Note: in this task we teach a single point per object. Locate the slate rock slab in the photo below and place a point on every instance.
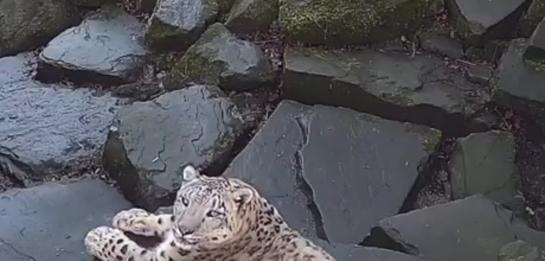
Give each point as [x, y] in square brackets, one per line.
[476, 21]
[219, 58]
[474, 228]
[333, 172]
[176, 24]
[520, 251]
[527, 98]
[535, 52]
[342, 22]
[27, 24]
[484, 163]
[347, 252]
[248, 16]
[392, 85]
[151, 142]
[44, 128]
[533, 16]
[107, 47]
[49, 222]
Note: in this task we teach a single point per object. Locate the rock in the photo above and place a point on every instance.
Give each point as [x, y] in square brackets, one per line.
[441, 45]
[89, 3]
[248, 16]
[474, 228]
[107, 47]
[47, 128]
[530, 20]
[342, 22]
[485, 121]
[176, 24]
[527, 98]
[333, 172]
[493, 50]
[347, 252]
[198, 125]
[219, 58]
[49, 222]
[28, 24]
[520, 251]
[535, 51]
[484, 163]
[479, 73]
[476, 21]
[145, 6]
[395, 86]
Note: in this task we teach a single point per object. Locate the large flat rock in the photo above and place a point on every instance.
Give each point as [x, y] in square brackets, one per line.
[49, 222]
[535, 52]
[107, 47]
[334, 172]
[527, 98]
[47, 127]
[392, 85]
[474, 228]
[477, 20]
[151, 142]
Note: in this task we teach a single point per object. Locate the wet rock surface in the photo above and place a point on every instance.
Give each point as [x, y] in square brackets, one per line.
[176, 24]
[44, 128]
[219, 58]
[339, 193]
[392, 85]
[474, 228]
[28, 24]
[341, 22]
[252, 15]
[107, 48]
[478, 20]
[527, 98]
[484, 163]
[151, 142]
[49, 222]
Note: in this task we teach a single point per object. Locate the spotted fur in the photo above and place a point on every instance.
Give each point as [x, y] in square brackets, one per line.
[214, 219]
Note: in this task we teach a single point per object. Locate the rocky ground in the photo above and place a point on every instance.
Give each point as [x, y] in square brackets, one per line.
[384, 130]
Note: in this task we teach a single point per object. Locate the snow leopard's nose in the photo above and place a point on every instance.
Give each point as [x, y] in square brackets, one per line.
[185, 230]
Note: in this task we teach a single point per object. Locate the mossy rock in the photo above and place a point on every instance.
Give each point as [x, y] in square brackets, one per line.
[520, 251]
[28, 24]
[219, 58]
[341, 22]
[252, 15]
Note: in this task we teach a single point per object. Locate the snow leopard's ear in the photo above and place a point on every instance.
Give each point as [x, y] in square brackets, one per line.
[190, 173]
[242, 192]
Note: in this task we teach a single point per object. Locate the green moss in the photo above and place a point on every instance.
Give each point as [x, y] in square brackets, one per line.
[432, 141]
[537, 66]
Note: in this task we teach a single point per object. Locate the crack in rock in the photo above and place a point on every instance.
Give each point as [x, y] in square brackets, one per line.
[17, 251]
[303, 184]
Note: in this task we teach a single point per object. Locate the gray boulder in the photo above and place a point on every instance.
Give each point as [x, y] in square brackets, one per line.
[476, 21]
[532, 17]
[333, 172]
[28, 24]
[252, 15]
[176, 24]
[441, 45]
[151, 142]
[47, 128]
[49, 222]
[474, 228]
[527, 98]
[89, 3]
[484, 163]
[219, 58]
[392, 85]
[346, 252]
[535, 51]
[107, 47]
